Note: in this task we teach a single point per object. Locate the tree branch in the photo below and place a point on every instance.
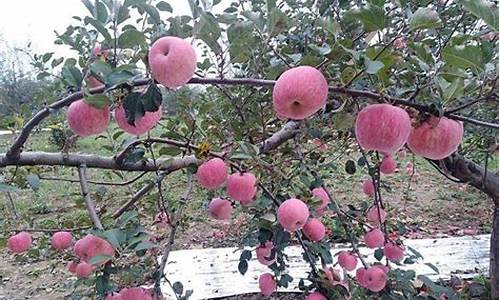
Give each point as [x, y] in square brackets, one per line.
[15, 149]
[123, 183]
[139, 194]
[120, 157]
[469, 172]
[93, 161]
[174, 224]
[288, 131]
[89, 204]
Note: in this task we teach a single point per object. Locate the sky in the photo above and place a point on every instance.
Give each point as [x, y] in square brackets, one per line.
[35, 21]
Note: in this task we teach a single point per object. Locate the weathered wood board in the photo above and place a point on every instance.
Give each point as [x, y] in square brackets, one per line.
[213, 273]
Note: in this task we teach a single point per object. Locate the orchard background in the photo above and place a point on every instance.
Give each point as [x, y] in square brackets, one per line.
[140, 197]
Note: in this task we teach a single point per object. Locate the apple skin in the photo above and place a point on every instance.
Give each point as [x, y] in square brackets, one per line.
[299, 93]
[382, 127]
[436, 138]
[85, 119]
[172, 61]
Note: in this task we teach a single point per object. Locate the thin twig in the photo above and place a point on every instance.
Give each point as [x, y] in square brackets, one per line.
[123, 183]
[139, 194]
[89, 204]
[175, 220]
[14, 210]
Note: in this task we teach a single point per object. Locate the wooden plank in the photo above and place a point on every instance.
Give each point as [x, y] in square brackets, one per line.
[213, 273]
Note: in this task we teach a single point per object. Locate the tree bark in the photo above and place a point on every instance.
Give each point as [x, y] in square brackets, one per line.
[94, 161]
[494, 256]
[486, 181]
[89, 204]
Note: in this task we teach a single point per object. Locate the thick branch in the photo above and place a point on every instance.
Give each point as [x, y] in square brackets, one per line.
[93, 161]
[486, 181]
[287, 132]
[89, 204]
[471, 173]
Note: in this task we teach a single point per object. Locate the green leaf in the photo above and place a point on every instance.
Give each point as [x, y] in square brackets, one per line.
[483, 9]
[246, 255]
[195, 10]
[425, 18]
[101, 12]
[330, 25]
[42, 75]
[128, 216]
[243, 267]
[240, 32]
[207, 29]
[47, 56]
[371, 16]
[378, 254]
[423, 52]
[415, 252]
[464, 57]
[324, 50]
[347, 75]
[433, 267]
[114, 236]
[377, 2]
[454, 90]
[277, 22]
[164, 6]
[135, 155]
[89, 6]
[56, 62]
[131, 38]
[100, 68]
[241, 155]
[350, 167]
[98, 100]
[33, 181]
[373, 66]
[99, 259]
[72, 76]
[343, 121]
[152, 12]
[152, 98]
[170, 151]
[133, 107]
[145, 245]
[7, 188]
[99, 26]
[361, 161]
[118, 77]
[178, 288]
[284, 280]
[123, 14]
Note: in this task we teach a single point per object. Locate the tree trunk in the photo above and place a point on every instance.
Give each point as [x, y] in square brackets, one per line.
[494, 256]
[486, 181]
